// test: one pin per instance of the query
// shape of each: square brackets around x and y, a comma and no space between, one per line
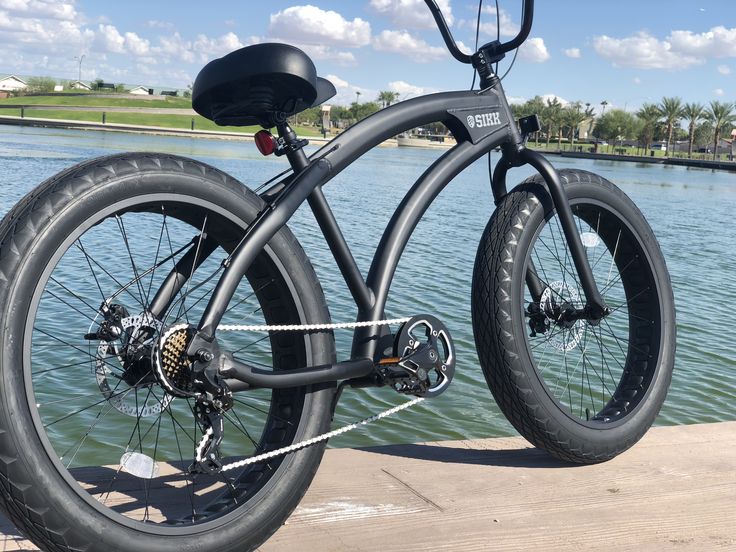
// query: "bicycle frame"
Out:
[480,121]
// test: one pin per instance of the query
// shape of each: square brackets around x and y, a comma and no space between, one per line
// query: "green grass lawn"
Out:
[144,119]
[96,101]
[588,148]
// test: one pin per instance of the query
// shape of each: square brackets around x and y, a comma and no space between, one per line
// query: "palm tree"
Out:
[693,114]
[649,115]
[671,111]
[386,97]
[574,116]
[721,115]
[552,116]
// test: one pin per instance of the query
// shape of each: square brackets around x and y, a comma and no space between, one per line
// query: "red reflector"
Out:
[265,142]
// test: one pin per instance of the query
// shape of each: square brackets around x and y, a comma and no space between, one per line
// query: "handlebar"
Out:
[526,27]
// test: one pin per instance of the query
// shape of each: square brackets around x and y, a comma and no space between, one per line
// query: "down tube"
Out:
[399,230]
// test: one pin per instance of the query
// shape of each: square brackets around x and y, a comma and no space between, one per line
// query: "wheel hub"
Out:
[557,308]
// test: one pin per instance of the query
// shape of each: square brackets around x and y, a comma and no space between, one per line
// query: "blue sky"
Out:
[626,52]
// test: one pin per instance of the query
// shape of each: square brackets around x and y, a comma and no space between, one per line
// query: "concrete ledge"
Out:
[152,130]
[675,490]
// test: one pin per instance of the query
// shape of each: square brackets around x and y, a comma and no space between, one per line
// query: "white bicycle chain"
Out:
[325,436]
[309,327]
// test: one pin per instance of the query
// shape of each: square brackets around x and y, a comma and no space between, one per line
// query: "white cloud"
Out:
[312,25]
[489,27]
[405,89]
[573,53]
[42,9]
[337,81]
[724,69]
[411,14]
[464,48]
[401,42]
[642,51]
[679,50]
[637,80]
[109,39]
[209,48]
[719,42]
[174,46]
[348,93]
[28,34]
[136,45]
[534,50]
[719,92]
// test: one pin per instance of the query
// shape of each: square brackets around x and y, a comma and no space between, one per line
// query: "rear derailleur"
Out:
[423,361]
[195,378]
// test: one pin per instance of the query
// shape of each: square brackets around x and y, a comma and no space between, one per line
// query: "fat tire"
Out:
[507,365]
[33,493]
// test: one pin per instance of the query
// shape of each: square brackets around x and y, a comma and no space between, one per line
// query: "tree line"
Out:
[706,125]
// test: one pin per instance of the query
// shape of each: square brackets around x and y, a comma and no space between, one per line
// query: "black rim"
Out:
[92,405]
[596,374]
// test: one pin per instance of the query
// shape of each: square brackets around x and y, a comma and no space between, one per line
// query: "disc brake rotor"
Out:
[552,297]
[137,400]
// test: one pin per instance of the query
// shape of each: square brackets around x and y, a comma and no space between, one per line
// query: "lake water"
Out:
[691,211]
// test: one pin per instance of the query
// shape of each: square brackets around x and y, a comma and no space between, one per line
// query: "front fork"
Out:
[595,308]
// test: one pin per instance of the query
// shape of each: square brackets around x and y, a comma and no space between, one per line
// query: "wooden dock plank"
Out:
[676,490]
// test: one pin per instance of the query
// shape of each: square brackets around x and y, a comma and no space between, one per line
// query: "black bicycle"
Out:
[168,368]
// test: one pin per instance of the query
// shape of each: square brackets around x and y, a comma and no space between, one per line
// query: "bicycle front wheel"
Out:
[94,452]
[584,392]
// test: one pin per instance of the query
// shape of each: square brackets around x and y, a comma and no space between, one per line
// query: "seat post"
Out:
[293,146]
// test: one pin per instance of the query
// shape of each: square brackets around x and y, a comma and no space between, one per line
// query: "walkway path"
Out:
[675,490]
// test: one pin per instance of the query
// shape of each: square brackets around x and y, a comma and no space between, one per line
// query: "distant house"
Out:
[79,85]
[141,91]
[58,88]
[13,84]
[169,93]
[105,86]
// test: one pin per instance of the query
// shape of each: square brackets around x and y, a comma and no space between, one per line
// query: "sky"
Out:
[623,52]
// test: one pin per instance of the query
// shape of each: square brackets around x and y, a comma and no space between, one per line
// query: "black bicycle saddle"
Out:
[261,84]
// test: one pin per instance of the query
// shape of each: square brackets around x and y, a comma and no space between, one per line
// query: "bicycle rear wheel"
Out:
[95,454]
[584,392]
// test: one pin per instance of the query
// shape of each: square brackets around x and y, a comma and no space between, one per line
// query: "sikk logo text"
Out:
[484,120]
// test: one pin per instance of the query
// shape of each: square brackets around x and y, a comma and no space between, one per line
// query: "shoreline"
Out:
[150,130]
[729,166]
